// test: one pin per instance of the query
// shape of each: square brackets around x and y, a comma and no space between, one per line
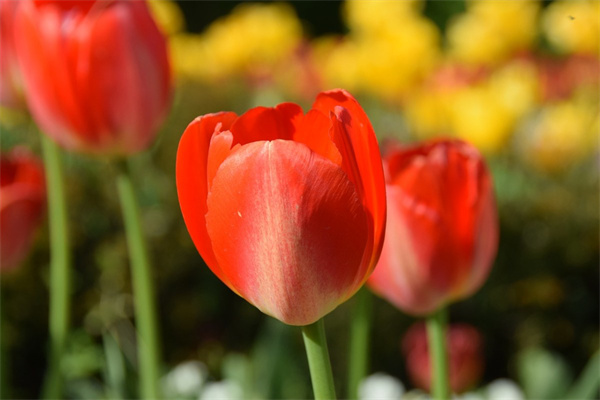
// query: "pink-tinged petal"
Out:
[51,92]
[267,123]
[219,149]
[192,180]
[486,237]
[355,139]
[128,87]
[287,229]
[313,131]
[442,227]
[399,277]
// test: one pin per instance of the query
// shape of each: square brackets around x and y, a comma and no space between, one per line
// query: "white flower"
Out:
[186,379]
[223,390]
[380,386]
[504,389]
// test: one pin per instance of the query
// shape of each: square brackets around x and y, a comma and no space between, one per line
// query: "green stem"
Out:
[60,271]
[143,291]
[359,341]
[318,360]
[436,334]
[586,386]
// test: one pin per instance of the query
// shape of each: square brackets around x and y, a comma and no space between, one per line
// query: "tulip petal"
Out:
[267,123]
[398,276]
[46,75]
[355,139]
[287,228]
[310,132]
[20,212]
[192,180]
[126,97]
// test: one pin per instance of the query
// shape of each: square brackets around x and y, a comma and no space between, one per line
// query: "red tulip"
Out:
[286,208]
[11,91]
[442,229]
[465,360]
[22,202]
[96,73]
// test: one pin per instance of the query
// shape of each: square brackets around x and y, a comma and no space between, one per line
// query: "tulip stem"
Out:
[318,360]
[143,291]
[436,334]
[359,341]
[60,270]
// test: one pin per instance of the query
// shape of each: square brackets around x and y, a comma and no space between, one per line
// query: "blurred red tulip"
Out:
[22,202]
[465,360]
[286,208]
[11,90]
[442,228]
[96,73]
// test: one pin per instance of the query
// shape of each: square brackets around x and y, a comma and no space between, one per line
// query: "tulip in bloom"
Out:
[96,73]
[286,208]
[464,356]
[442,229]
[22,203]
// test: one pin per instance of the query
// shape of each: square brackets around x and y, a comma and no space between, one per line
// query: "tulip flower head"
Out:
[22,203]
[96,73]
[286,208]
[464,356]
[442,228]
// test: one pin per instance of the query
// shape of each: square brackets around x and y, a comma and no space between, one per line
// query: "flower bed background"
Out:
[519,80]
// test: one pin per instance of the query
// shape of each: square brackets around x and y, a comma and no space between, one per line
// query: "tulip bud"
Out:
[464,356]
[96,73]
[286,208]
[442,228]
[22,203]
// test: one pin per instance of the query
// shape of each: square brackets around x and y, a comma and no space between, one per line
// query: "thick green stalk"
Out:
[359,341]
[143,291]
[60,270]
[436,334]
[318,360]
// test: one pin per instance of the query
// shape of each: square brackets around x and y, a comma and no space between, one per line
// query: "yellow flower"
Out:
[478,116]
[338,60]
[457,102]
[516,86]
[492,30]
[389,66]
[391,48]
[167,15]
[573,26]
[563,134]
[373,17]
[427,113]
[188,56]
[253,36]
[253,39]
